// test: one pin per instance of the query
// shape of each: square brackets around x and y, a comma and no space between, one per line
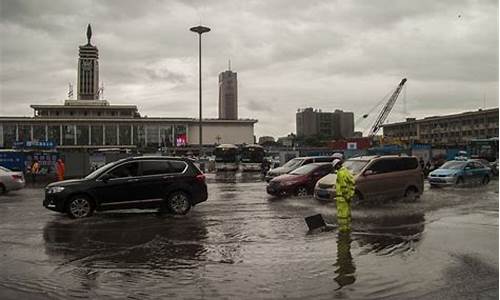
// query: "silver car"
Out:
[10,180]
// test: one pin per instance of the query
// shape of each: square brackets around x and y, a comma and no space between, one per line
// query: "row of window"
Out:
[393,165]
[82,135]
[83,113]
[148,168]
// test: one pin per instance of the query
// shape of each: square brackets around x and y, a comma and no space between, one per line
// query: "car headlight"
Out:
[55,189]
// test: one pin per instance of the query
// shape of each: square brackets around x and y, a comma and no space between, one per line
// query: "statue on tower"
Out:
[89,34]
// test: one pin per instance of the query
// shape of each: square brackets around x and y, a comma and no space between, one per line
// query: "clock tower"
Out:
[88,70]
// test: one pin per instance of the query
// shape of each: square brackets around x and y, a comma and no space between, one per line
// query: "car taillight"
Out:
[17,177]
[200,177]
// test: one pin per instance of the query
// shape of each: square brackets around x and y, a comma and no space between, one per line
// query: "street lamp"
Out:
[200,30]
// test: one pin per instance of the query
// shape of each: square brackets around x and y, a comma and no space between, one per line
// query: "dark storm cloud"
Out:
[288,54]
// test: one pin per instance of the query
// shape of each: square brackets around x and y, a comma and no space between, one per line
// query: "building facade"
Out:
[228,95]
[90,123]
[314,122]
[456,129]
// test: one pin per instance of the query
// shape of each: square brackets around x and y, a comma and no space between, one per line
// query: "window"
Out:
[324,159]
[125,170]
[407,163]
[110,135]
[68,135]
[177,166]
[82,134]
[308,161]
[155,167]
[324,170]
[384,166]
[96,134]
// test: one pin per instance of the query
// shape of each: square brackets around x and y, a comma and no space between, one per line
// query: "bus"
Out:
[484,148]
[226,157]
[252,157]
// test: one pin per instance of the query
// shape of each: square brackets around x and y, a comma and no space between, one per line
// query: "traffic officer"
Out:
[344,190]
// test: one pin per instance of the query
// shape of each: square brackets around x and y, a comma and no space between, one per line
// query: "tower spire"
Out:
[89,34]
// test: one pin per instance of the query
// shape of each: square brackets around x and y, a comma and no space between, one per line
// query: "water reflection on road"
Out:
[242,243]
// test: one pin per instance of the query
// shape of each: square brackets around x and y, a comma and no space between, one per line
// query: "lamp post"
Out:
[200,30]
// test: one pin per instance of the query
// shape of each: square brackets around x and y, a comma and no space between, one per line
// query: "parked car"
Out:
[300,181]
[295,163]
[456,172]
[377,177]
[10,180]
[169,183]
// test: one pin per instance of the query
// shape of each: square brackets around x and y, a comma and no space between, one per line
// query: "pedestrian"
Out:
[344,190]
[35,169]
[60,170]
[422,163]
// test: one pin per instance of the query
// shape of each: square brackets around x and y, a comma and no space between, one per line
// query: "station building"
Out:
[92,123]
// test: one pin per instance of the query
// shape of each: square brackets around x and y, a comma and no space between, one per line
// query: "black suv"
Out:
[167,183]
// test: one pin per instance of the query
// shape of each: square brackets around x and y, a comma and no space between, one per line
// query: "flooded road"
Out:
[243,244]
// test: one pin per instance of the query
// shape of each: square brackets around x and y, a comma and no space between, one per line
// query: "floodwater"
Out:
[243,244]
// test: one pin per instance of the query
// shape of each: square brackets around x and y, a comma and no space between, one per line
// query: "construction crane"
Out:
[384,113]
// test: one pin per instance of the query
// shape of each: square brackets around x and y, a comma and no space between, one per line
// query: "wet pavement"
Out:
[244,244]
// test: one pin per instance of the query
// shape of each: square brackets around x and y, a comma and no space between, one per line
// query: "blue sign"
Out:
[34,145]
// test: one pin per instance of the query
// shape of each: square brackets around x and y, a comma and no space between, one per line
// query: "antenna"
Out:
[100,92]
[229,64]
[70,91]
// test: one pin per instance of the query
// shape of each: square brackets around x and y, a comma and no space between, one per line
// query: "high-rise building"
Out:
[228,95]
[88,70]
[314,122]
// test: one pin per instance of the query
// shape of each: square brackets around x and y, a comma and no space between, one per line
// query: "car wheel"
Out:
[411,194]
[301,191]
[486,180]
[80,207]
[460,181]
[178,203]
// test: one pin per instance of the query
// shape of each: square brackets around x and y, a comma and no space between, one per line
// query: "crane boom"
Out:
[384,113]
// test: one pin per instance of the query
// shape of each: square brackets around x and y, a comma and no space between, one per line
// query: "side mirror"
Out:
[368,172]
[104,178]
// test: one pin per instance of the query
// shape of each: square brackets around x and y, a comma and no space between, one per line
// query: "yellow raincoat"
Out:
[344,190]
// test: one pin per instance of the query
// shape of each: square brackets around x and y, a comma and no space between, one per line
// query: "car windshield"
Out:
[304,169]
[453,165]
[355,166]
[293,163]
[102,169]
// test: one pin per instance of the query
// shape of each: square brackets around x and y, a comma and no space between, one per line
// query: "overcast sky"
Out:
[288,54]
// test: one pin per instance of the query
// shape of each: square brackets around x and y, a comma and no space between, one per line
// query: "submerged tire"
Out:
[411,194]
[301,191]
[179,203]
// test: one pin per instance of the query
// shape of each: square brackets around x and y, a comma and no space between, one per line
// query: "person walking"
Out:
[344,190]
[60,170]
[35,170]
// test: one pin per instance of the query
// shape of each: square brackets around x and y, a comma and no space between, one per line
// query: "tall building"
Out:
[228,95]
[314,122]
[88,70]
[456,129]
